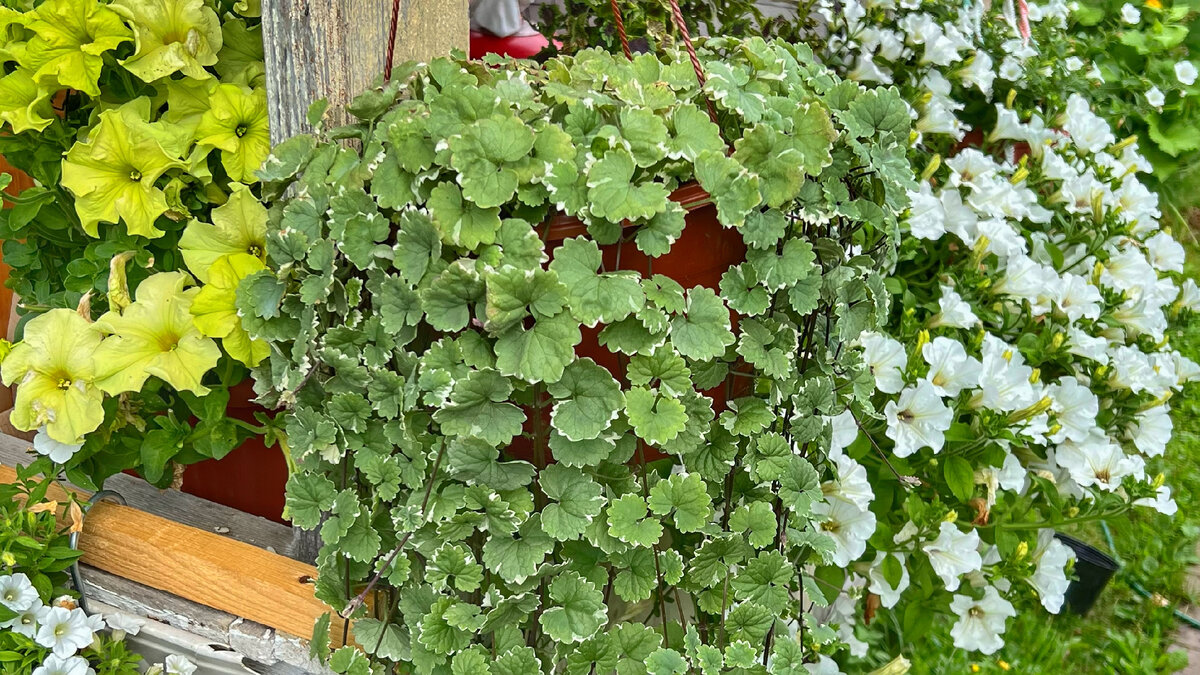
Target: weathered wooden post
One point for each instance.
(335, 49)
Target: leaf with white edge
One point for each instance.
(448, 300)
(472, 662)
(594, 297)
(475, 461)
(516, 557)
(645, 133)
(417, 245)
(479, 407)
(628, 521)
(877, 112)
(581, 453)
(636, 576)
(613, 194)
(661, 367)
(692, 133)
(656, 236)
(577, 500)
(454, 564)
(776, 272)
(484, 155)
(541, 352)
(307, 496)
(462, 223)
(384, 640)
(765, 580)
(757, 520)
(800, 486)
(740, 288)
(764, 229)
(656, 417)
(703, 330)
(747, 416)
(813, 134)
(685, 497)
(589, 400)
(576, 609)
(734, 189)
(666, 662)
(513, 294)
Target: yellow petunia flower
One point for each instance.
(155, 336)
(54, 368)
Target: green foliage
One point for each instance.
(1136, 59)
(140, 122)
(552, 448)
(36, 553)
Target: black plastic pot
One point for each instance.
(1093, 568)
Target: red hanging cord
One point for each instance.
(620, 21)
(391, 44)
(677, 14)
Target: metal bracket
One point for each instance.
(76, 577)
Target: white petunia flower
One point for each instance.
(823, 666)
(1165, 254)
(848, 526)
(954, 312)
(1155, 97)
(25, 622)
(125, 623)
(1131, 369)
(1126, 270)
(1189, 295)
(1099, 462)
(979, 72)
(59, 453)
(886, 359)
(56, 665)
(1073, 64)
(1010, 475)
(1185, 72)
(888, 596)
(926, 219)
(1087, 131)
(1130, 14)
(845, 430)
(17, 593)
(1005, 379)
(1010, 69)
(851, 484)
(1075, 408)
(950, 368)
(1050, 574)
(1080, 343)
(981, 622)
(63, 631)
(1151, 431)
(919, 419)
(1078, 298)
(1161, 502)
(177, 664)
(953, 554)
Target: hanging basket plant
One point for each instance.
(532, 424)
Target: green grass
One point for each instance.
(1125, 632)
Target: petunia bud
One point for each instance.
(931, 167)
(118, 283)
(1022, 551)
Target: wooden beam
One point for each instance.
(200, 566)
(335, 49)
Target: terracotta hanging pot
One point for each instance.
(251, 478)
